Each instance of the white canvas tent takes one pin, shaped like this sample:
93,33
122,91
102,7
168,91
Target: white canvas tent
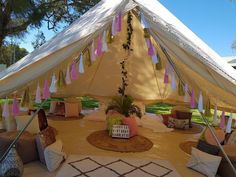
194,62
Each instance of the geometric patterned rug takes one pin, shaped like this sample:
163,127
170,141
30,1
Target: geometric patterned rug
98,166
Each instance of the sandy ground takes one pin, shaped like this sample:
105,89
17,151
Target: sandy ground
73,135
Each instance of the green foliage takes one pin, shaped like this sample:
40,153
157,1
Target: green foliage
40,40
124,105
113,120
16,16
10,54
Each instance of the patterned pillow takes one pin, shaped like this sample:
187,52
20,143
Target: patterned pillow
178,123
44,139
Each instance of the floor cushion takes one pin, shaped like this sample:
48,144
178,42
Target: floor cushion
210,139
133,126
33,127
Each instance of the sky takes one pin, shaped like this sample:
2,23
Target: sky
214,21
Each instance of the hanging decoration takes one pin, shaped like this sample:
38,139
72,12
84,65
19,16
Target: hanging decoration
104,42
38,94
81,64
73,73
15,107
5,111
186,93
86,57
118,22
229,124
215,122
25,101
166,77
180,88
143,20
114,32
109,38
52,87
207,111
159,63
46,93
192,99
200,102
99,46
92,52
154,58
68,79
61,82
173,82
222,120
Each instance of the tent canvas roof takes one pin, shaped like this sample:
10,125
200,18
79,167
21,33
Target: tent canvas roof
194,62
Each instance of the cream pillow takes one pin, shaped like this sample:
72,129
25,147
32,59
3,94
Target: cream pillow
204,163
33,127
54,155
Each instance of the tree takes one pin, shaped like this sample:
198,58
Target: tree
11,53
17,16
234,45
40,40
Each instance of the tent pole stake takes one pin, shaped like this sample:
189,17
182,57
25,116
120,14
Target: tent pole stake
21,132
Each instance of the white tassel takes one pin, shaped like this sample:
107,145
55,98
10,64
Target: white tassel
104,42
215,121
68,79
81,64
186,96
200,102
144,23
229,124
53,88
38,95
5,112
173,82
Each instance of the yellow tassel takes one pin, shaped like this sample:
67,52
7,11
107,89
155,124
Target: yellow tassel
159,64
207,112
61,82
180,88
87,58
109,37
25,101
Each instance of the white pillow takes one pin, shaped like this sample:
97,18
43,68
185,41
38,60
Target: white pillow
33,127
204,163
99,116
54,155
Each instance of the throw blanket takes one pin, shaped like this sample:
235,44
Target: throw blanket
96,166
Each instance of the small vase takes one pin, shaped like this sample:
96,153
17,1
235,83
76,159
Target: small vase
12,165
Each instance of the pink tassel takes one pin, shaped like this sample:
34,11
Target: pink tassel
15,107
113,29
92,52
5,112
46,93
118,22
166,77
148,42
99,46
74,74
192,99
150,49
38,95
222,120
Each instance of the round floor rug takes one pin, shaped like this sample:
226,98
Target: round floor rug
196,128
186,146
102,140
63,118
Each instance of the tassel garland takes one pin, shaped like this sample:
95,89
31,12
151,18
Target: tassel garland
99,46
52,87
192,99
73,73
46,93
68,79
222,120
200,102
229,124
114,26
215,122
151,48
5,112
104,42
38,94
81,64
61,82
159,64
173,82
25,101
166,77
92,52
118,22
15,107
186,93
180,88
207,112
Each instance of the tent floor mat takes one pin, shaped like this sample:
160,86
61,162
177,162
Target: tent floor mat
63,118
186,146
102,140
196,128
